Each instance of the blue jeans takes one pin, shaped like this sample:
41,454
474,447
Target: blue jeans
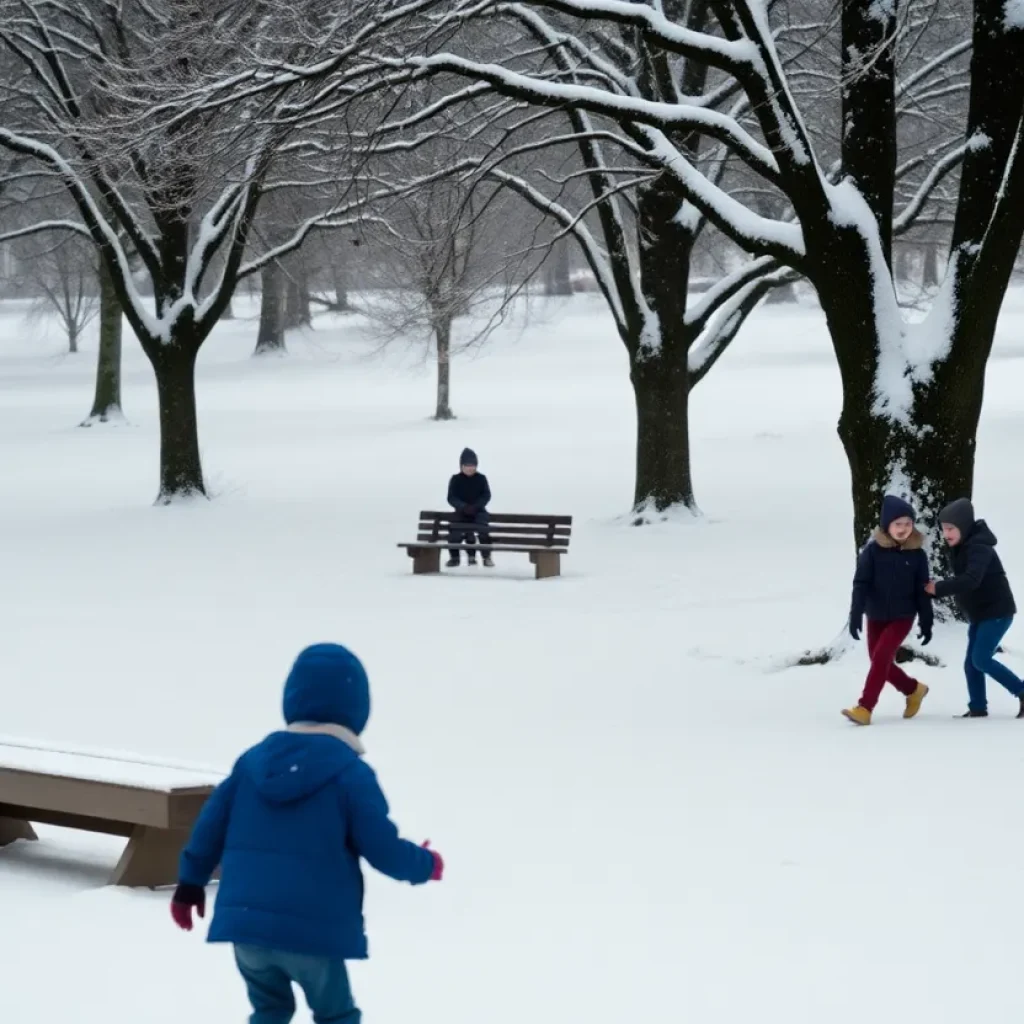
269,975
982,640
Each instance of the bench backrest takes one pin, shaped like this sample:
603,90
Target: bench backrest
503,528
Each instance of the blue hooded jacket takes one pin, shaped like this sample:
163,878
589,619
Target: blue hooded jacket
290,824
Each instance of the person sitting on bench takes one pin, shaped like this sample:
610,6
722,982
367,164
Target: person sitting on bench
469,494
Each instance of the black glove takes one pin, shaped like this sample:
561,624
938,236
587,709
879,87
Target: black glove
925,635
469,510
855,627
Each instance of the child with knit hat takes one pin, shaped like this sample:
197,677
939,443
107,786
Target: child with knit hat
469,493
983,593
289,828
889,587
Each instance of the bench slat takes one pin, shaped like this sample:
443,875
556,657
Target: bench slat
506,517
476,547
494,527
500,537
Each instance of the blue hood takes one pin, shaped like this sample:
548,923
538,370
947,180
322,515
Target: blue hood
328,683
287,767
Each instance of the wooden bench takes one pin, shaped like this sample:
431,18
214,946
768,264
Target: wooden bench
152,806
544,538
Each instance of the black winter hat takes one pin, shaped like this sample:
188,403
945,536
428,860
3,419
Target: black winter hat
959,513
468,458
894,508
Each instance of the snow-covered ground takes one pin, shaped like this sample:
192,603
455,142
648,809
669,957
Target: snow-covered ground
645,816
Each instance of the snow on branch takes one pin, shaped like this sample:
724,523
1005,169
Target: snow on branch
341,215
711,301
668,116
912,211
732,56
729,318
44,226
573,225
756,234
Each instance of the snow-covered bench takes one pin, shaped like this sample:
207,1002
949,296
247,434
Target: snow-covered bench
544,538
152,805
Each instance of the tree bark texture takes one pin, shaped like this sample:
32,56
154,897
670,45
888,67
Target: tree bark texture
658,364
106,402
869,144
181,472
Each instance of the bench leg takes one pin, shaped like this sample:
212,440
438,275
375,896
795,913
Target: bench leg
12,829
549,563
150,858
425,560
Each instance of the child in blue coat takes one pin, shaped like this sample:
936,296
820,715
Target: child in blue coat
289,828
889,587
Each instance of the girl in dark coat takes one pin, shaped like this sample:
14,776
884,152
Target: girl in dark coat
889,586
983,593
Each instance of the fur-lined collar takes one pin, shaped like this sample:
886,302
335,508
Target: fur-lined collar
913,543
339,732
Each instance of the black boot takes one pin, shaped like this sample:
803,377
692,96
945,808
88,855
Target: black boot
453,560
472,558
1020,714
971,713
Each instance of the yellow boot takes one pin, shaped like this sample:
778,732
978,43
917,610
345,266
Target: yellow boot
915,700
858,715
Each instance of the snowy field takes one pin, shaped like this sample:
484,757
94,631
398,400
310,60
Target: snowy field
645,816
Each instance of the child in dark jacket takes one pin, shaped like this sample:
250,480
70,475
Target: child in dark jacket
469,494
889,586
983,593
288,828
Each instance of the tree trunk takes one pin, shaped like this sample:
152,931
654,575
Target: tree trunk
181,471
658,355
930,269
924,452
904,265
72,337
341,303
229,312
662,394
556,277
270,337
443,335
106,402
296,302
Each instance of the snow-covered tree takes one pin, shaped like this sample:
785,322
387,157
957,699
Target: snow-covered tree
125,107
912,391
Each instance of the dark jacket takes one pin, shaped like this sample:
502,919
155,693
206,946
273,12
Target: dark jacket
468,490
980,585
291,823
890,580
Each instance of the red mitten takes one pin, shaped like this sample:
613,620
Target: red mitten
438,873
184,899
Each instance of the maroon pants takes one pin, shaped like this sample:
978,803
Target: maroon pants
884,639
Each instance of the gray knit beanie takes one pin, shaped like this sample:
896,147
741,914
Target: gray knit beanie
959,513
